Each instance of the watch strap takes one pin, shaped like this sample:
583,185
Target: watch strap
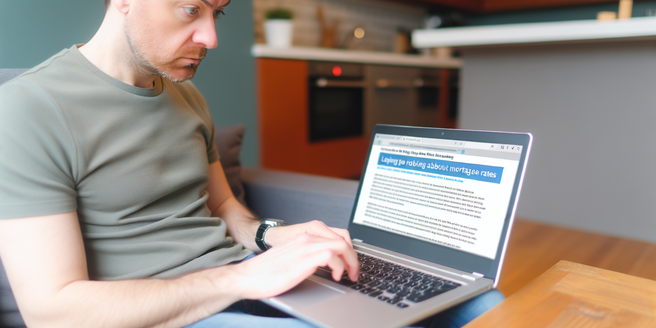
259,236
262,229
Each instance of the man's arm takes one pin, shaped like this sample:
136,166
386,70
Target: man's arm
46,265
242,224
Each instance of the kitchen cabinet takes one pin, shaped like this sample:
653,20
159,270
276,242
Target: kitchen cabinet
284,125
411,96
489,6
509,5
391,95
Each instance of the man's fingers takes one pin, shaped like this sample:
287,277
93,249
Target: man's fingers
341,252
336,264
320,229
348,256
294,260
278,235
352,270
344,234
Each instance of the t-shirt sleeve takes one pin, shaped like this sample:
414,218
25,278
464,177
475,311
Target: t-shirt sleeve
212,151
37,154
203,110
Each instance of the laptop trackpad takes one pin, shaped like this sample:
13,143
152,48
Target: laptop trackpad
308,294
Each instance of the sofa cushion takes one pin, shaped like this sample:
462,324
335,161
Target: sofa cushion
228,142
298,197
9,315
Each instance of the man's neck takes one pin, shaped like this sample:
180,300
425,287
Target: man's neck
110,51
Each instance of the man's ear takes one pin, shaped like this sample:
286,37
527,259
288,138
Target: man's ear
123,6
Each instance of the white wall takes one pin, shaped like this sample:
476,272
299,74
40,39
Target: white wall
592,111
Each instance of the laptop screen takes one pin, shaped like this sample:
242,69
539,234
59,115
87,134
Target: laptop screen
449,192
446,196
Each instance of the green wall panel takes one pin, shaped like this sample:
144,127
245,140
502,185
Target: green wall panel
33,30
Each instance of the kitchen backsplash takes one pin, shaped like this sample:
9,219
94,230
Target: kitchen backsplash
379,18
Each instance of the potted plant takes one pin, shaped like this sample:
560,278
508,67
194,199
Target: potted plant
278,27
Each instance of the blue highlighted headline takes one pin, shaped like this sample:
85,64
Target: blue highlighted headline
455,169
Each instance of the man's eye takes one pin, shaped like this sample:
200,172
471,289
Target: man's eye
191,10
218,13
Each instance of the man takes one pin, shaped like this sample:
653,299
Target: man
109,175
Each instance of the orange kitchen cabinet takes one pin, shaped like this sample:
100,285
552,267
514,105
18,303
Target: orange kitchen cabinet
284,125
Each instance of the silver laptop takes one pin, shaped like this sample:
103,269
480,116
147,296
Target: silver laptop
430,225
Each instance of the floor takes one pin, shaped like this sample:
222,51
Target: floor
535,247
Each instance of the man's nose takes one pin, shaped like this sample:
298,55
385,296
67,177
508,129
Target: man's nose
205,35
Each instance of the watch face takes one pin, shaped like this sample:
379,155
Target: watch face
261,230
273,222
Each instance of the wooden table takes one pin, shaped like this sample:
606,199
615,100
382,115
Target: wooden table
576,295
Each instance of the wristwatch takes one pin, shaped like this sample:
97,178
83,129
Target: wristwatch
261,231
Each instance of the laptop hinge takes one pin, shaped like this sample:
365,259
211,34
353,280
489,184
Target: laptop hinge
358,240
474,276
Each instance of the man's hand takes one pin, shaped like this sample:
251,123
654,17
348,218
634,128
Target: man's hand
280,234
287,264
297,250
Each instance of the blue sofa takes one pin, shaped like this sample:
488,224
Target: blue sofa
293,197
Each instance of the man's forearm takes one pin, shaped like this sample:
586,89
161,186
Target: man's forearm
45,262
242,224
136,303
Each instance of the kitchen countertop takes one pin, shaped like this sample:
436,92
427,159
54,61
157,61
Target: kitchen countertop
641,28
353,56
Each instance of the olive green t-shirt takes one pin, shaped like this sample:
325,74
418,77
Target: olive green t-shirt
133,163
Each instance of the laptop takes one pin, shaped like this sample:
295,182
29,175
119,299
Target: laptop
430,224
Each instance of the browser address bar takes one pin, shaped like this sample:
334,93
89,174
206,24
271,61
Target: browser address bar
423,146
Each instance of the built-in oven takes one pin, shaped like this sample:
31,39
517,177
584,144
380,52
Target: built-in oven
402,95
336,100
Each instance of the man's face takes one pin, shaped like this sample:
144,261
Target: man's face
171,37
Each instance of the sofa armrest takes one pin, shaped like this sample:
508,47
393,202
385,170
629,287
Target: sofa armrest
9,315
298,197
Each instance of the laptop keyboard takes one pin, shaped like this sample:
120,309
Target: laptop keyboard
392,283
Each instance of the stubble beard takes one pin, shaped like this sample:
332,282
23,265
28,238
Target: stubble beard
141,64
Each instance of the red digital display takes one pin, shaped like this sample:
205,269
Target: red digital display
337,71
